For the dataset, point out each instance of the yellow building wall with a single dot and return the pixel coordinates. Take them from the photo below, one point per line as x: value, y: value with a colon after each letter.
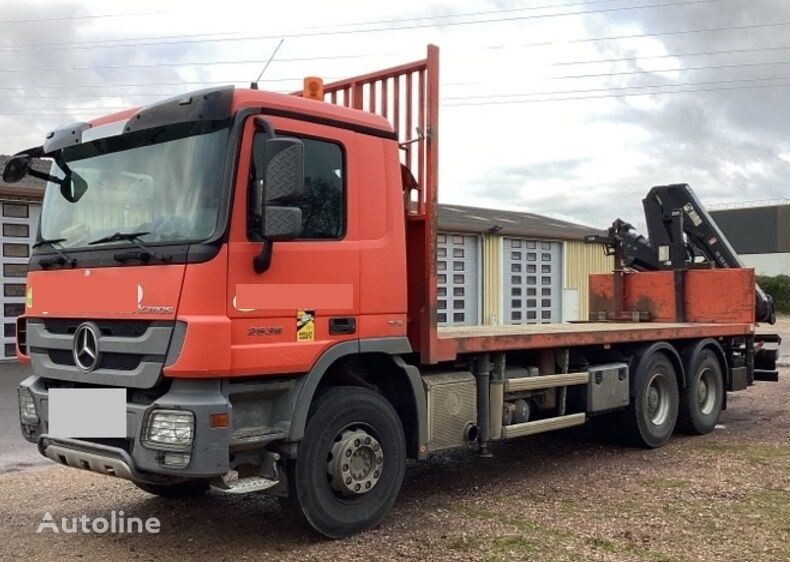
x: 492, y: 278
x: 580, y: 261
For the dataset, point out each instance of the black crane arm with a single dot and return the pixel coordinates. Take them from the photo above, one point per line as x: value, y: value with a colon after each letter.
x: 679, y: 230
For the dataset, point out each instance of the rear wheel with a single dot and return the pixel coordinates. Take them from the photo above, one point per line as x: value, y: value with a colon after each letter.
x: 651, y: 417
x: 350, y: 464
x: 187, y: 489
x: 701, y: 400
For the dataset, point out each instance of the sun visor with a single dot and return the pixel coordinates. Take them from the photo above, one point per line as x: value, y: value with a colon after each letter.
x: 205, y: 105
x: 213, y: 104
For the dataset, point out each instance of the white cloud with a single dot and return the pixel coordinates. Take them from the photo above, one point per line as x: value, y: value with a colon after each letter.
x: 586, y: 160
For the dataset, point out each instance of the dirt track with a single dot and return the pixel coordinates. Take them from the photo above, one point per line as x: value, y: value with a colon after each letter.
x: 725, y: 496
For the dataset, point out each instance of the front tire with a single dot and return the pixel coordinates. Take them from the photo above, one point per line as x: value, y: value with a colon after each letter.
x: 650, y: 419
x: 702, y: 399
x: 350, y: 464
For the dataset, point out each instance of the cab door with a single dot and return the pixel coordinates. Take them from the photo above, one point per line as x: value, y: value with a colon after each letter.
x: 308, y: 299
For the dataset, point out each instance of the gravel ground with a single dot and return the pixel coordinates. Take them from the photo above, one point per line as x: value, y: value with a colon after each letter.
x: 725, y: 496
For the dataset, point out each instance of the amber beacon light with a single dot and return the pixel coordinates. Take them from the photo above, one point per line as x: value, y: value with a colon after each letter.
x: 313, y: 88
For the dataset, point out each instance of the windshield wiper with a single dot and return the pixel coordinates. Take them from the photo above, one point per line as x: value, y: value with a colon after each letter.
x: 123, y: 236
x: 62, y: 258
x: 145, y: 254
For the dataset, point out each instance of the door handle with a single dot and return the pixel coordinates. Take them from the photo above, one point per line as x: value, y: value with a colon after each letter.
x: 339, y: 326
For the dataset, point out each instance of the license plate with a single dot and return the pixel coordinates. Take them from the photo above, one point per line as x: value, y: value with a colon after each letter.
x: 87, y: 412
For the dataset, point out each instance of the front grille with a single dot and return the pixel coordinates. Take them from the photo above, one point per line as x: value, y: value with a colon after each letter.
x: 135, y: 347
x: 115, y: 328
x: 120, y: 361
x: 61, y: 357
x: 115, y: 361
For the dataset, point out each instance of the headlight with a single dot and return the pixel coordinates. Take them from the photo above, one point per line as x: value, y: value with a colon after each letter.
x: 170, y: 429
x: 27, y: 407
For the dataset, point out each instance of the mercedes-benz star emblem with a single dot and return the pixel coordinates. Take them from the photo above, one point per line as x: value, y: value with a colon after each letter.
x: 86, y: 347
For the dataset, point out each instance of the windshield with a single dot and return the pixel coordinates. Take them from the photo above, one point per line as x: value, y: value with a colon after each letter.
x: 164, y: 182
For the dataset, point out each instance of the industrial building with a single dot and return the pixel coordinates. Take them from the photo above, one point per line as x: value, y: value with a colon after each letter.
x: 495, y: 267
x: 760, y: 234
x: 20, y: 207
x: 508, y: 267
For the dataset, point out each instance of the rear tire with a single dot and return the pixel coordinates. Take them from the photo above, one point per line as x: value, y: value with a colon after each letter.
x: 187, y: 489
x: 350, y: 464
x: 650, y: 419
x: 701, y: 401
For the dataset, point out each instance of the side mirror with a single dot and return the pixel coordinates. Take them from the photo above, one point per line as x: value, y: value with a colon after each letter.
x: 73, y: 187
x: 284, y: 170
x: 279, y: 188
x: 282, y: 223
x: 16, y: 168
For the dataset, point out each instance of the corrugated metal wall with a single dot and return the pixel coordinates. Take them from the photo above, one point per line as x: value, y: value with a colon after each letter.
x: 492, y: 278
x: 581, y: 260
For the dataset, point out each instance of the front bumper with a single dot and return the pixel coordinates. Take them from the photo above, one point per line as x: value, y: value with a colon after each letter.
x: 129, y: 457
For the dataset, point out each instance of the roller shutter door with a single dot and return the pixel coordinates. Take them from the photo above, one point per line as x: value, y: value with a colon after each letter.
x: 458, y: 266
x: 532, y: 281
x: 19, y: 221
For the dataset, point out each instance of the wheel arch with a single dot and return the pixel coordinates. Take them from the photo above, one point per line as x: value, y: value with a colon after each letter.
x: 641, y: 354
x: 692, y: 349
x: 374, y: 363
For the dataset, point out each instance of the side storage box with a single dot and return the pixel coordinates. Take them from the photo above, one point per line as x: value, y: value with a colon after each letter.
x: 608, y: 387
x: 452, y: 408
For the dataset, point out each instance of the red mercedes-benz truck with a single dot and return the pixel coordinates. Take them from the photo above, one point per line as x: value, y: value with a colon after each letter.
x: 256, y: 274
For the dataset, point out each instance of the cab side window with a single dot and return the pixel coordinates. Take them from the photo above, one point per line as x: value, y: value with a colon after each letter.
x: 323, y: 205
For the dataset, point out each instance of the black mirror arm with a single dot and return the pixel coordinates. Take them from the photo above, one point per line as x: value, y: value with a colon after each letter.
x: 43, y: 176
x: 263, y: 261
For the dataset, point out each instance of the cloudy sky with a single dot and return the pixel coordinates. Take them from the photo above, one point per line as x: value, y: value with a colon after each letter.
x: 567, y: 108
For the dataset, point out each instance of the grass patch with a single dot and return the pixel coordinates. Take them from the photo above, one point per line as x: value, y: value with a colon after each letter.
x: 464, y: 543
x: 604, y: 544
x: 757, y: 454
x: 517, y: 522
x: 519, y: 544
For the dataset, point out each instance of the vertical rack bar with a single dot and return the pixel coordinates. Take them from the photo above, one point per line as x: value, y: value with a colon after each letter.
x: 396, y: 106
x: 385, y: 83
x: 429, y: 344
x: 421, y: 142
x: 372, y: 86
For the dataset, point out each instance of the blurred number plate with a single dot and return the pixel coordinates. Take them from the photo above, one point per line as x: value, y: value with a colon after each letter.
x: 87, y: 412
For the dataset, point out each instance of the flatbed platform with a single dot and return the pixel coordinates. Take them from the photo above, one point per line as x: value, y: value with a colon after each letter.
x: 468, y: 339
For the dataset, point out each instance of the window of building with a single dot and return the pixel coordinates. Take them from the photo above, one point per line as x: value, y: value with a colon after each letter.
x: 13, y: 309
x: 15, y: 210
x: 16, y: 230
x: 16, y: 250
x: 14, y: 270
x: 14, y: 289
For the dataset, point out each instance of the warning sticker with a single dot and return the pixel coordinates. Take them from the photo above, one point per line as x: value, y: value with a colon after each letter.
x: 305, y: 325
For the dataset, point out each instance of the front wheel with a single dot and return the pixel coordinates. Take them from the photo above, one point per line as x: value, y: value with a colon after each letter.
x: 701, y: 401
x: 350, y: 464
